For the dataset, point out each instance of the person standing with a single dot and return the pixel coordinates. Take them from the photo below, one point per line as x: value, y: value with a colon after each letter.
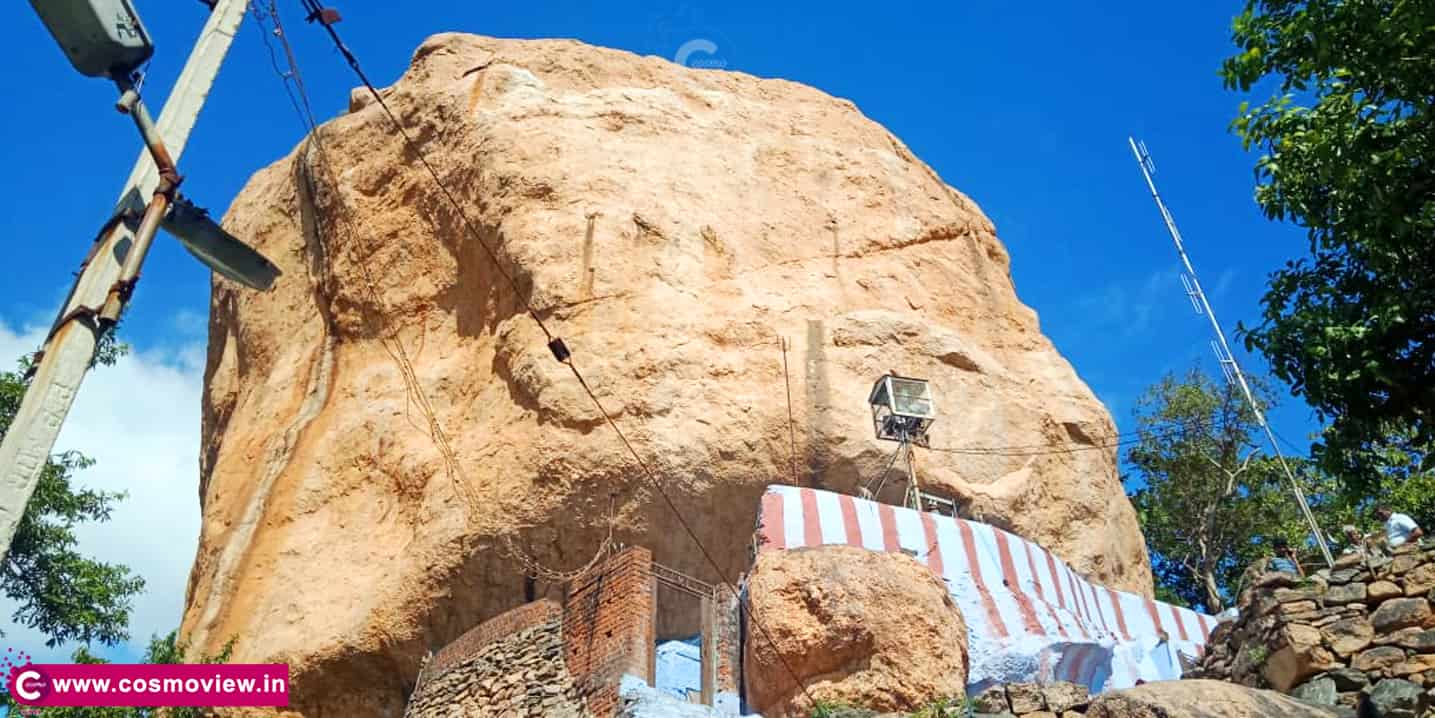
x: 1285, y: 559
x: 1354, y: 540
x: 1399, y: 528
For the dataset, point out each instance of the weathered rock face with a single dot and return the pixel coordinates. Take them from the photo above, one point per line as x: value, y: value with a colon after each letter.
x: 861, y: 628
x: 1204, y: 699
x: 671, y: 224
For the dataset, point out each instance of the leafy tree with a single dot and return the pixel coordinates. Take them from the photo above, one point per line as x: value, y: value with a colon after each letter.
x: 1404, y: 483
x: 59, y: 591
x: 1349, y: 154
x: 161, y: 650
x: 1209, y: 502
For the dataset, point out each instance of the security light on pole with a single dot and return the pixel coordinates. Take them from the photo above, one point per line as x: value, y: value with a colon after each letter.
x: 105, y: 38
x: 902, y: 411
x: 102, y: 38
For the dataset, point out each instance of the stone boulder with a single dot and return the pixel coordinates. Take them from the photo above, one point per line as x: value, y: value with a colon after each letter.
x: 1396, y: 698
x: 1204, y: 699
x: 1298, y: 654
x: 383, y: 424
x: 876, y: 630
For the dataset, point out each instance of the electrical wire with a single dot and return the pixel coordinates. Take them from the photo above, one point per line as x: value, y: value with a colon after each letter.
x: 393, y: 346
x: 316, y: 13
x: 1290, y: 443
x: 882, y: 478
x: 1109, y: 441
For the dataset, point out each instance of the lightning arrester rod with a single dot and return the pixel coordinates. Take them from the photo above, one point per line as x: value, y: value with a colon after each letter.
x: 1143, y: 158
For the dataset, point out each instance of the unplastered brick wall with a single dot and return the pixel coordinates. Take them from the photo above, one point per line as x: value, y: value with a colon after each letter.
x: 728, y: 627
x: 610, y: 627
x: 510, y: 665
x: 1360, y: 634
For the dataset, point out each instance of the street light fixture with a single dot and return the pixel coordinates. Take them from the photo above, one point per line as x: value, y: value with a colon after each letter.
x: 902, y: 409
x: 216, y: 248
x: 102, y: 38
x: 105, y: 38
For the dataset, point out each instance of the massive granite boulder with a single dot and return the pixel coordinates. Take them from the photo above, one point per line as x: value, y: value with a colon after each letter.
x: 855, y: 627
x: 378, y: 423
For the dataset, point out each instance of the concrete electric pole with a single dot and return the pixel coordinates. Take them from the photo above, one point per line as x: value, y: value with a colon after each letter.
x: 98, y: 45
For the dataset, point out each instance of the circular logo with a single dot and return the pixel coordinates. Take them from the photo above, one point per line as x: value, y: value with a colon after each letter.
x: 687, y: 39
x: 29, y: 685
x: 699, y: 53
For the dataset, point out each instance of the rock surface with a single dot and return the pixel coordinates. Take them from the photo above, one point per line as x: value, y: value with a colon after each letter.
x: 875, y: 630
x: 1203, y: 699
x: 670, y: 224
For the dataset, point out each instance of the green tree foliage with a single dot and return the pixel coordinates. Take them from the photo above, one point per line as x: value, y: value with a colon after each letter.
x: 1348, y: 142
x: 59, y: 591
x: 1209, y: 501
x: 161, y: 650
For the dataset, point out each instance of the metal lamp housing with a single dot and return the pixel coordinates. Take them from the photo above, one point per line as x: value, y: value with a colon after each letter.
x: 903, y: 408
x: 102, y: 38
x: 218, y: 249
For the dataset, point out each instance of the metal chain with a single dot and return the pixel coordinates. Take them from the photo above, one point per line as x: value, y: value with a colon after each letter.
x: 532, y: 568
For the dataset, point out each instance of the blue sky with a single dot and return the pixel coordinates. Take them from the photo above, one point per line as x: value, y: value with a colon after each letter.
x: 1023, y: 106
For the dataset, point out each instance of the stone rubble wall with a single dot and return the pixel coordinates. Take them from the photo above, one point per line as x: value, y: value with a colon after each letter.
x: 519, y: 675
x: 1360, y: 634
x: 549, y: 659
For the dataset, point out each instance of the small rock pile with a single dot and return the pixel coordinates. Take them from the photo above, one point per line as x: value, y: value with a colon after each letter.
x: 1033, y: 700
x: 520, y: 676
x: 1360, y: 634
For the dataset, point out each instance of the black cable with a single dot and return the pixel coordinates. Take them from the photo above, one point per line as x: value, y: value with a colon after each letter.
x: 1107, y: 442
x: 285, y: 77
x: 883, y: 477
x: 316, y: 13
x: 1289, y: 443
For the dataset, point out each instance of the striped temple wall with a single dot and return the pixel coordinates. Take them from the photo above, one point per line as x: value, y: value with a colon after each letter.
x: 1029, y: 615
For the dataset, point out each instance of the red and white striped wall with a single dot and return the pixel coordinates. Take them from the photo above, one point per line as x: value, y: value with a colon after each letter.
x: 1028, y: 615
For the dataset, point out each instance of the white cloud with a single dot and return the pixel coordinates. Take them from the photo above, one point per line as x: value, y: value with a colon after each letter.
x: 139, y: 420
x: 1129, y: 307
x: 1224, y: 282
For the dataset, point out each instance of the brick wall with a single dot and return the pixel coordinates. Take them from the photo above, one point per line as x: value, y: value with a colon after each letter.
x: 610, y: 627
x: 729, y: 640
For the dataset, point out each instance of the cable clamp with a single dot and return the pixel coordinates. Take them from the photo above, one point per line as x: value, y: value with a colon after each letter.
x: 559, y: 349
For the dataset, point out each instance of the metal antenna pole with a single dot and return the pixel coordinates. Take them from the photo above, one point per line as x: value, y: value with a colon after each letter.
x: 1229, y: 366
x: 913, y: 486
x: 108, y: 273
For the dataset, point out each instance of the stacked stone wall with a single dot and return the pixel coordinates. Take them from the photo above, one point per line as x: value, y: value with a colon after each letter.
x: 1361, y: 634
x: 521, y: 674
x: 551, y: 659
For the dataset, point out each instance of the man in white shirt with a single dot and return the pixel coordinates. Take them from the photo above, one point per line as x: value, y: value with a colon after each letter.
x: 1399, y: 528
